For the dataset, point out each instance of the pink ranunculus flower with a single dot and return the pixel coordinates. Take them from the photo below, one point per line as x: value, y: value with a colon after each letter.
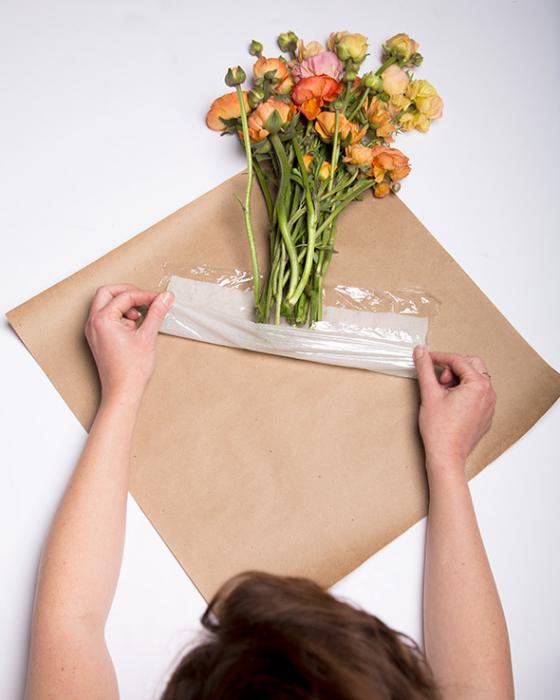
x: 395, y: 80
x: 324, y: 63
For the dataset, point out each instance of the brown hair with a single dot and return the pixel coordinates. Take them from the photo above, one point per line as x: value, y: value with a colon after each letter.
x: 285, y: 638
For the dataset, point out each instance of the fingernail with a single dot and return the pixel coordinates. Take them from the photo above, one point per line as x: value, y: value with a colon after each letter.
x: 419, y: 352
x: 167, y: 298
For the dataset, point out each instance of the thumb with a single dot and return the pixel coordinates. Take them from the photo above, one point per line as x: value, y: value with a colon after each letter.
x: 156, y: 313
x: 426, y: 373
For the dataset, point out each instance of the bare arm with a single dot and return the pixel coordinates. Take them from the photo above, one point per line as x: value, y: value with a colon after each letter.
x: 82, y: 557
x: 465, y: 632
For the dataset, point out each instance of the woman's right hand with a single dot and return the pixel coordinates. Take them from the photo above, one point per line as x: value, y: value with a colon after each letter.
x: 456, y: 408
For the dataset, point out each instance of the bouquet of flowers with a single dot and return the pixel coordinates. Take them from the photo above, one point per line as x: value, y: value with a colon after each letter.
x: 316, y: 137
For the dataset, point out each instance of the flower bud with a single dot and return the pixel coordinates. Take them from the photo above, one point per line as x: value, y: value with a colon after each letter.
x: 349, y: 76
x: 255, y: 97
x: 372, y: 81
x: 416, y: 59
x: 325, y: 171
x: 235, y: 76
x: 396, y: 187
x: 274, y: 122
x: 255, y: 48
x: 287, y: 41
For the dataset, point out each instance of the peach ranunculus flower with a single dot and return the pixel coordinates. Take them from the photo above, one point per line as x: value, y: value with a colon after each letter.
x: 359, y: 155
x: 225, y: 107
x: 389, y: 163
x: 325, y: 126
x: 310, y: 94
x: 258, y: 118
x: 305, y: 51
x: 282, y: 73
x: 401, y: 45
x: 379, y: 118
x: 395, y: 81
x: 348, y: 46
x: 325, y: 63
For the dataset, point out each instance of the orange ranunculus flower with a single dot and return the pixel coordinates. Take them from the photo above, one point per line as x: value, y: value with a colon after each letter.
x: 380, y: 119
x: 310, y: 94
x: 226, y: 107
x: 304, y: 51
x: 259, y: 117
x: 359, y: 155
x: 282, y: 73
x: 390, y: 162
x: 307, y: 160
x: 325, y: 124
x: 381, y: 189
x: 325, y: 170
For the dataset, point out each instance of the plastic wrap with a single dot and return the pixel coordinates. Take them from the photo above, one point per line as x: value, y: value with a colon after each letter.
x: 360, y: 328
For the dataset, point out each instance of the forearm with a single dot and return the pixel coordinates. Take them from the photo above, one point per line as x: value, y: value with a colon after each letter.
x: 82, y: 557
x: 465, y: 633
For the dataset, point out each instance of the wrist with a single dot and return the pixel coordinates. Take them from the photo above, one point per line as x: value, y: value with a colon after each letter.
x: 122, y: 397
x: 445, y: 467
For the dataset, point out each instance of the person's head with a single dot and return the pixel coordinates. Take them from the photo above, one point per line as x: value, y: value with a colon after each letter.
x: 279, y: 638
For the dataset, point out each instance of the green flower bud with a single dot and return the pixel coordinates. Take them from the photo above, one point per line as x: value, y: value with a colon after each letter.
x: 274, y: 123
x: 372, y: 81
x: 349, y: 76
x: 255, y: 48
x: 396, y: 187
x: 416, y: 59
x: 287, y: 41
x: 255, y: 97
x: 235, y: 76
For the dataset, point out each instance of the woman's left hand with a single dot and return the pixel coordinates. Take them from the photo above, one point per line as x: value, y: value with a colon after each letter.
x: 124, y: 351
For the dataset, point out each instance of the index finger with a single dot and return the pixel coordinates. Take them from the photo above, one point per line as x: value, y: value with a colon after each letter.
x: 106, y: 293
x: 127, y: 300
x: 458, y: 364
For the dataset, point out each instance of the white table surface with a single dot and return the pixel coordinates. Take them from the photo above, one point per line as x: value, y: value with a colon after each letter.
x: 102, y: 135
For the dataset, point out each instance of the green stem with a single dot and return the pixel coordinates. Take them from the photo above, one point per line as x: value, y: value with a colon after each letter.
x: 359, y: 105
x: 248, y: 190
x: 334, y: 150
x: 281, y: 211
x: 354, y: 192
x: 311, y: 227
x: 384, y: 66
x: 263, y: 184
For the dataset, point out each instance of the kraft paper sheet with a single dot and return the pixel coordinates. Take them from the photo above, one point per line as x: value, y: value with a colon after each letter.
x: 248, y: 461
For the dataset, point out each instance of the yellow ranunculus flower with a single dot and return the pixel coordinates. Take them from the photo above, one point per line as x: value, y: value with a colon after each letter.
x: 420, y: 88
x: 422, y: 122
x: 407, y: 121
x: 400, y: 102
x: 431, y: 107
x: 348, y: 46
x: 402, y: 45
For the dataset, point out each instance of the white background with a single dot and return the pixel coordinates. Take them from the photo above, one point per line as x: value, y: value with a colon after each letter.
x: 102, y: 135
